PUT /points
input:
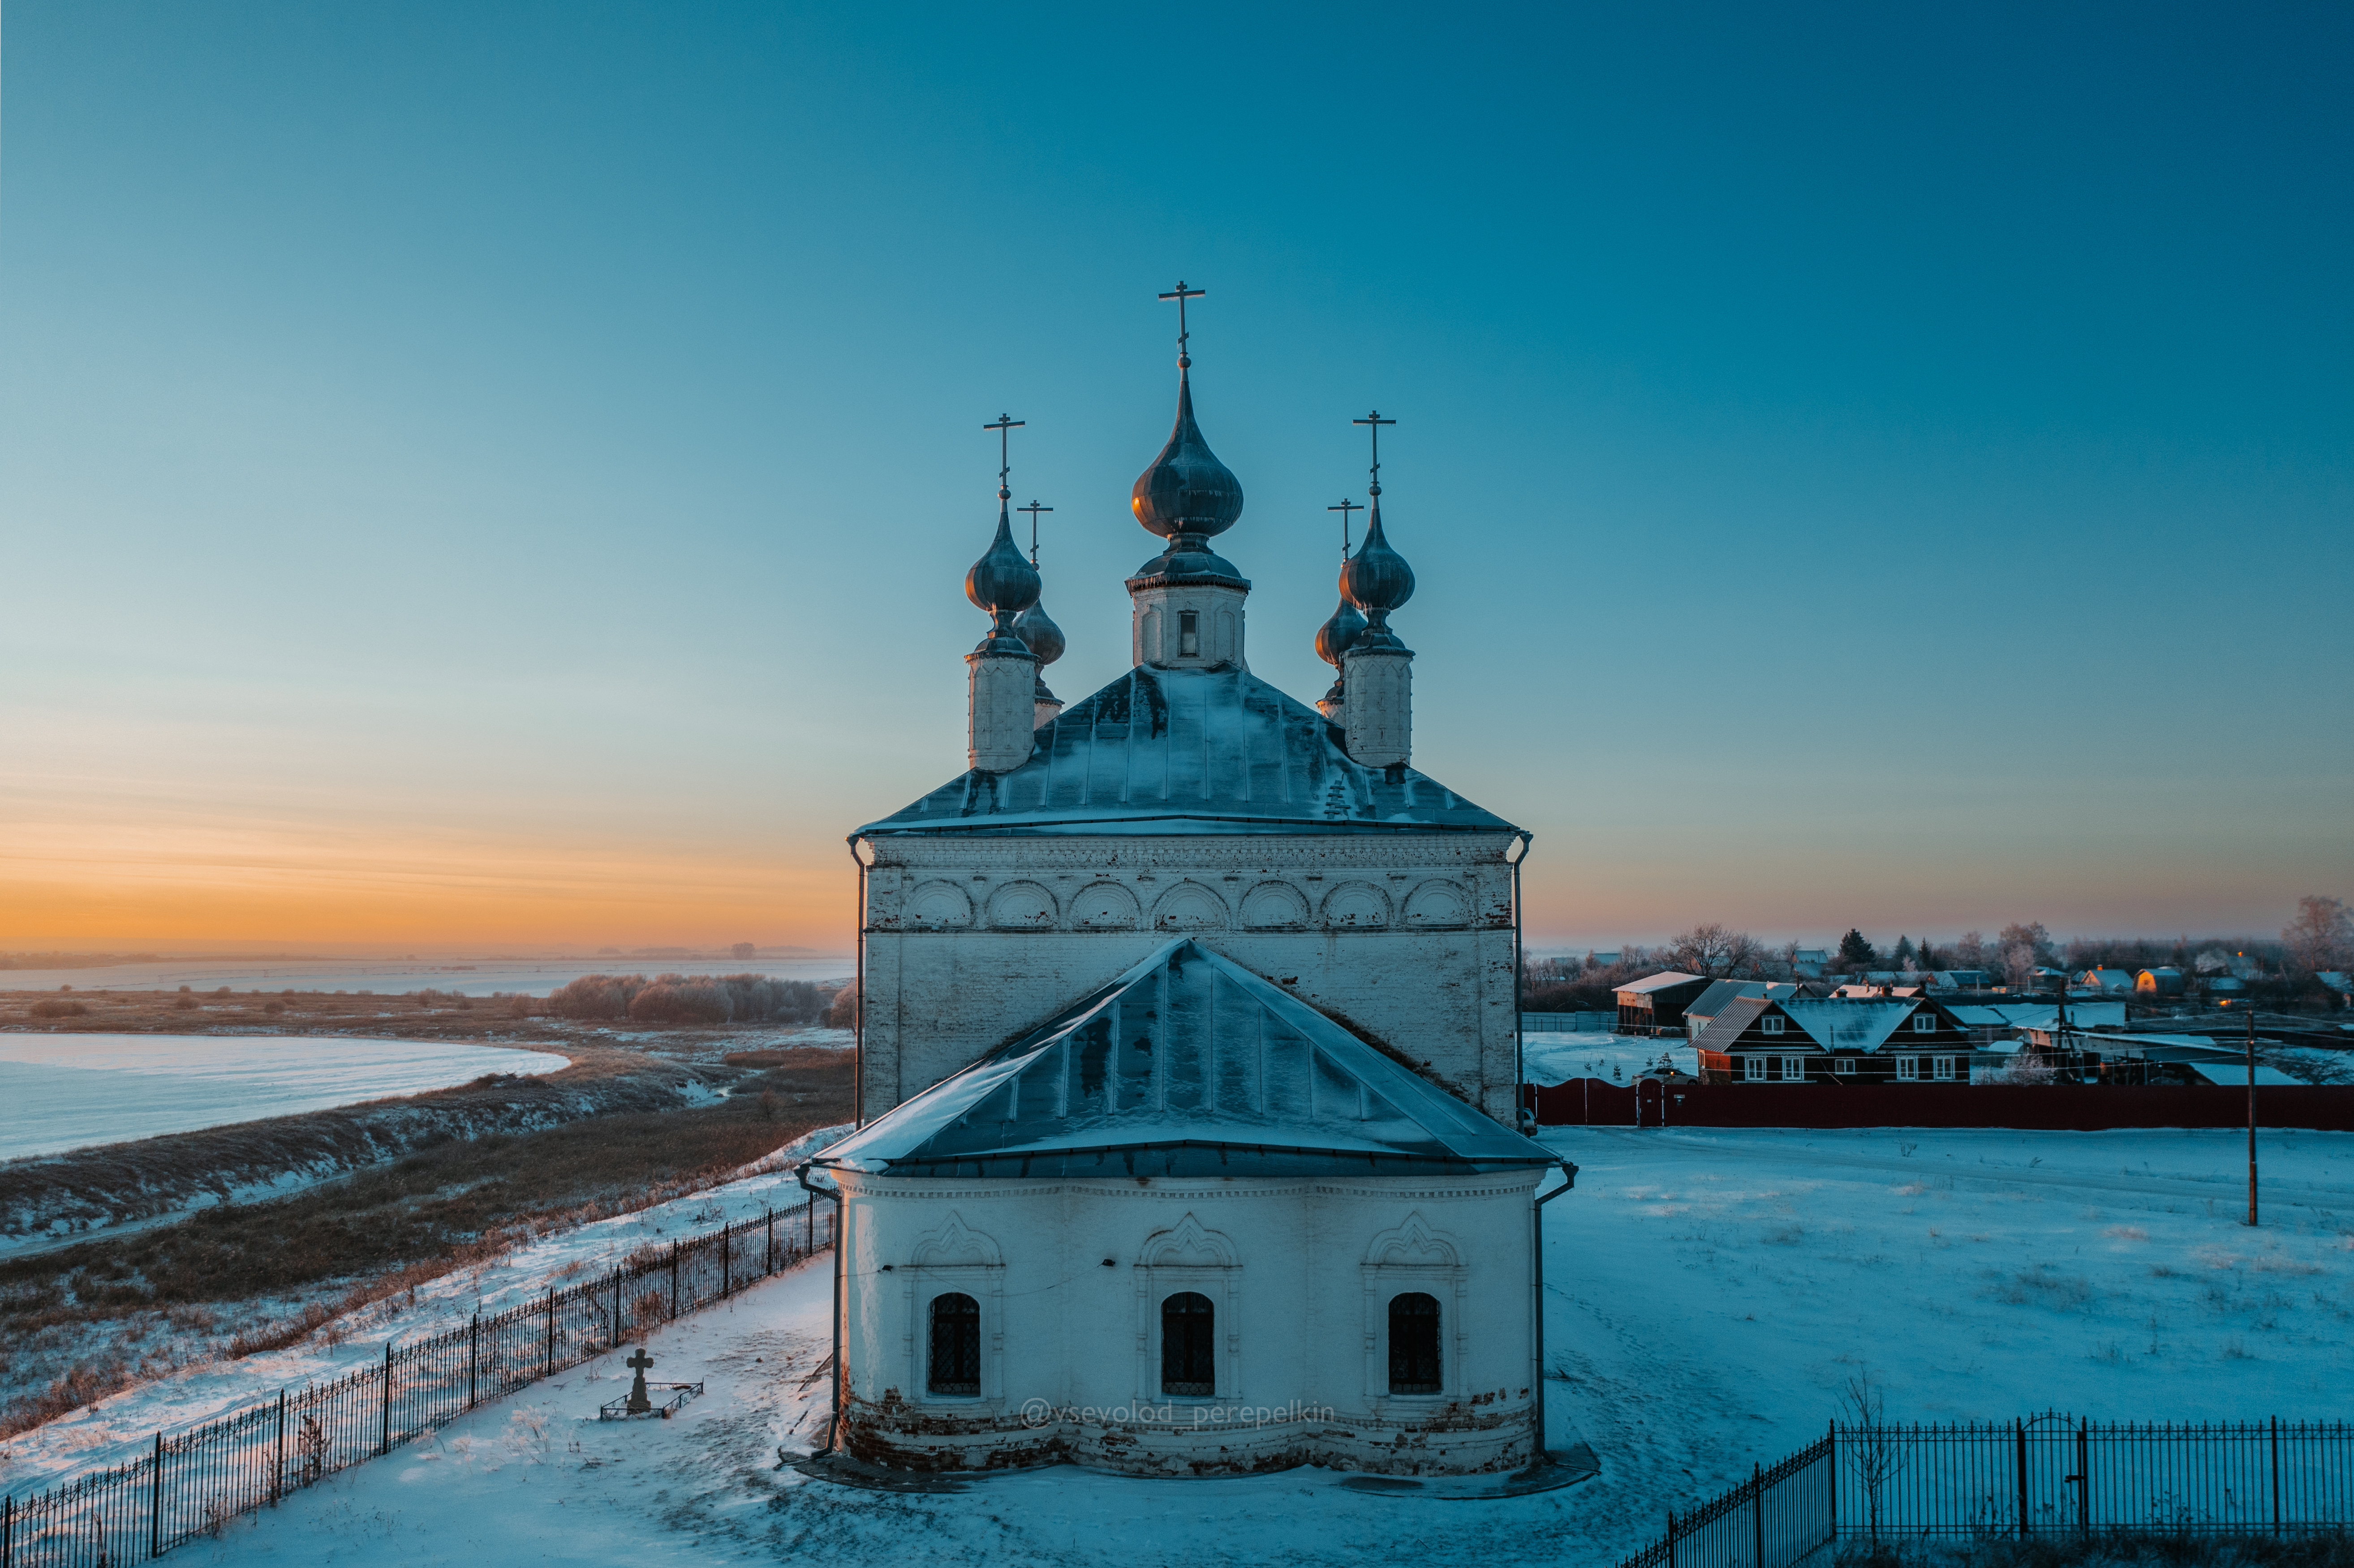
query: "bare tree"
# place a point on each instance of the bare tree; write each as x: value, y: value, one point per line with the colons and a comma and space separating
x: 1970, y: 952
x: 1871, y: 1442
x: 1714, y: 951
x: 2321, y: 936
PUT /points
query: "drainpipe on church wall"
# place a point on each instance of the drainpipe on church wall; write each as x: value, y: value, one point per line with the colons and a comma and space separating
x: 1520, y: 1058
x: 801, y: 1174
x: 1569, y: 1180
x: 858, y: 999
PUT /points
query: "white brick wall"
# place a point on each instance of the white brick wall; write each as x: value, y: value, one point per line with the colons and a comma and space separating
x: 1405, y: 937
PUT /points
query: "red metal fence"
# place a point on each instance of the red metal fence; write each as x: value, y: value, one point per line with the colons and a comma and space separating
x: 2060, y: 1107
x: 2048, y: 1476
x: 193, y: 1483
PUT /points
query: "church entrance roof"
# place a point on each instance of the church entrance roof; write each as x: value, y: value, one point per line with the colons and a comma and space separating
x: 1177, y: 751
x: 1188, y: 1064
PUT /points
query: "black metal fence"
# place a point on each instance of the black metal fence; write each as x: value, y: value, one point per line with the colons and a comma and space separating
x: 192, y: 1483
x: 2042, y: 1476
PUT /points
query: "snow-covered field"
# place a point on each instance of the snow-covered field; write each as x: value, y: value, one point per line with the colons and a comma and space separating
x: 393, y: 976
x: 1708, y: 1294
x: 1556, y: 1058
x: 65, y: 1091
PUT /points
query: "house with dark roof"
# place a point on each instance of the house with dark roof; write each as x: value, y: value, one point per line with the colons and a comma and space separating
x: 1833, y: 1040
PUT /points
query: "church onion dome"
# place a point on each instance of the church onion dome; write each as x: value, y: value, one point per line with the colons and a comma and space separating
x: 1338, y: 635
x: 1187, y: 490
x: 1042, y: 637
x: 1003, y: 584
x: 1376, y: 579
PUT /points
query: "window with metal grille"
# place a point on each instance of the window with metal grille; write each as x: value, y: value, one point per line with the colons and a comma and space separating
x: 1414, y: 1343
x: 956, y: 1345
x: 1188, y: 634
x: 1189, y: 1356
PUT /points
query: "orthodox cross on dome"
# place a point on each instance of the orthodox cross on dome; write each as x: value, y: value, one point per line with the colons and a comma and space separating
x: 1034, y: 509
x: 1345, y: 507
x: 1004, y: 425
x: 1376, y: 421
x: 1181, y: 294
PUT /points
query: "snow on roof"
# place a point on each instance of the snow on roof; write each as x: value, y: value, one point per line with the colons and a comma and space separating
x: 2037, y: 1015
x: 1660, y: 981
x: 1838, y: 1024
x: 1186, y: 1065
x: 1189, y: 751
x: 2234, y: 1075
x: 1712, y: 1000
x: 1728, y: 1023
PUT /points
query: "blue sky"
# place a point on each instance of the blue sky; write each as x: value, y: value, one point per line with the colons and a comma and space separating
x: 505, y: 473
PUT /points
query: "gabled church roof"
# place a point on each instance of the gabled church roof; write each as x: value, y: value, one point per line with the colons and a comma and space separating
x: 1184, y: 751
x: 1188, y: 1064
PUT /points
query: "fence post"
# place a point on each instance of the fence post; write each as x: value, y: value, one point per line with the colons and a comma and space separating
x: 7, y: 1532
x: 550, y: 1369
x: 811, y: 1206
x: 278, y: 1460
x: 1757, y: 1512
x: 768, y: 1247
x: 616, y: 1305
x: 1672, y: 1537
x: 2019, y: 1433
x: 727, y: 1257
x: 674, y: 1279
x: 2083, y: 1480
x: 155, y: 1508
x: 473, y: 1332
x: 1831, y: 1457
x: 2276, y: 1514
x: 385, y: 1446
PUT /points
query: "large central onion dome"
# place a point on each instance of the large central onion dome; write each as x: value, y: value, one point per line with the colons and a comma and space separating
x: 1003, y: 584
x: 1187, y: 490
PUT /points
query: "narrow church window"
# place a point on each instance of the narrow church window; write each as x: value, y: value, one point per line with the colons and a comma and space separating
x: 1188, y: 634
x: 1414, y: 1343
x: 956, y: 1345
x: 1189, y: 1345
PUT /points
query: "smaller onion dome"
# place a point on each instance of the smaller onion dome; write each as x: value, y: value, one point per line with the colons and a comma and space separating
x: 1338, y: 635
x: 1376, y: 579
x: 1003, y: 584
x: 1042, y: 637
x: 1187, y: 490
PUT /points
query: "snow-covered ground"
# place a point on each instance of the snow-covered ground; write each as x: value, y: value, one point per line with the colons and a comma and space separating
x: 65, y: 1091
x: 1556, y: 1058
x: 1708, y: 1294
x: 115, y: 1429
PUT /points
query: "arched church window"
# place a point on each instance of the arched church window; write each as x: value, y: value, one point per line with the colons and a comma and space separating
x: 956, y: 1345
x: 1189, y: 1345
x: 1414, y: 1343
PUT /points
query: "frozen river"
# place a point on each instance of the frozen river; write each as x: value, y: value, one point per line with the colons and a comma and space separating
x: 67, y: 1091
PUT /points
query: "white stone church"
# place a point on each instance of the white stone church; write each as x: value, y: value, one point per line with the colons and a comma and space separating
x: 1188, y: 1061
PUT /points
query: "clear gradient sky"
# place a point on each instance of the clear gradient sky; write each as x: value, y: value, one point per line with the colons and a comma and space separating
x: 504, y: 473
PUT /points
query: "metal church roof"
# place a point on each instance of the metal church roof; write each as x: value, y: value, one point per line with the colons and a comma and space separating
x: 1186, y: 1065
x: 1184, y: 751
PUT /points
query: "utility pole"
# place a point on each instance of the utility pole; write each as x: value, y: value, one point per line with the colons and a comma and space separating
x: 2252, y: 1113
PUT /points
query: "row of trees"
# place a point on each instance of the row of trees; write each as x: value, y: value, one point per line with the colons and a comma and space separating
x: 692, y: 999
x: 2319, y: 939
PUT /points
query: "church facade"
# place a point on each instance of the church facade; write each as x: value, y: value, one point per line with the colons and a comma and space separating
x: 1188, y: 1058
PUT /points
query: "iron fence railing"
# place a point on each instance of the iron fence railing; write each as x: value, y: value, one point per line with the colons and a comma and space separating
x: 2042, y: 1476
x: 192, y: 1483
